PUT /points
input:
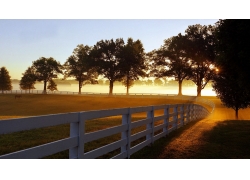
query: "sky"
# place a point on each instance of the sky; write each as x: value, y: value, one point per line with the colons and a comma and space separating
x: 25, y: 40
x: 44, y: 28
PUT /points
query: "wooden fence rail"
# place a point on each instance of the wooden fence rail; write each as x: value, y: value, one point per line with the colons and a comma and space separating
x: 173, y: 117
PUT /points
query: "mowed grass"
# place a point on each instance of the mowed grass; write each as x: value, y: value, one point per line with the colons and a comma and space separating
x: 38, y: 104
x: 229, y: 139
x: 34, y: 105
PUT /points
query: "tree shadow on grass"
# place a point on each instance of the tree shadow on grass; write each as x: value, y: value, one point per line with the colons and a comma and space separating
x: 229, y: 139
x: 153, y: 151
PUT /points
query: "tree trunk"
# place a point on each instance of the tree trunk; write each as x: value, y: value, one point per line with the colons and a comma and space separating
x: 236, y: 113
x: 44, y: 87
x: 180, y: 88
x: 127, y: 86
x: 111, y: 84
x: 80, y: 88
x: 198, y: 90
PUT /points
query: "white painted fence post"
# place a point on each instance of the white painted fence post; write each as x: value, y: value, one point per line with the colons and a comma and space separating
x: 199, y: 112
x: 74, y: 131
x: 188, y: 113
x: 77, y: 129
x: 150, y: 125
x: 126, y: 119
x: 182, y: 114
x: 195, y: 112
x: 166, y: 120
x: 175, y: 116
x: 192, y: 112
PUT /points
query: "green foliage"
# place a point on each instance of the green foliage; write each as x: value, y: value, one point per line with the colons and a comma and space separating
x: 52, y: 86
x: 28, y: 80
x: 46, y: 69
x: 201, y: 50
x: 127, y: 82
x: 107, y: 57
x: 171, y: 60
x: 232, y: 81
x: 79, y: 65
x: 132, y: 62
x: 5, y: 82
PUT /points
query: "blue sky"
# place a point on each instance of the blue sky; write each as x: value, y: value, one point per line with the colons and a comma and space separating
x: 25, y: 40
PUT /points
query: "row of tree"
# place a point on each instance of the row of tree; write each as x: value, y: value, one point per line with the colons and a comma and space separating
x: 114, y: 60
x: 184, y: 57
x: 187, y: 57
x: 192, y: 56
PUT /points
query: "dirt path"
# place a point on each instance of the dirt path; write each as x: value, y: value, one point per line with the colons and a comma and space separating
x: 190, y: 141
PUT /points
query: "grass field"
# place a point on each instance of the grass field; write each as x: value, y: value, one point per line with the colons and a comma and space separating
x: 34, y: 105
x: 38, y: 104
x: 217, y: 137
x: 229, y: 139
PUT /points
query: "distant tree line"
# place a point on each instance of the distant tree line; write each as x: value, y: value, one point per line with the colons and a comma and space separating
x: 217, y: 53
x: 183, y: 57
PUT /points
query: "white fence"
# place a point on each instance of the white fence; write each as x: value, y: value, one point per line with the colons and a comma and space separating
x: 82, y: 93
x: 172, y: 118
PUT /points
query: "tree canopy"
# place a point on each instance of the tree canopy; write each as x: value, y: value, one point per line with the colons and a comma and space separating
x: 232, y: 47
x: 80, y: 66
x: 52, y: 86
x: 46, y: 69
x: 106, y: 55
x: 5, y: 82
x: 171, y: 60
x: 132, y: 62
x: 28, y: 79
x: 201, y: 50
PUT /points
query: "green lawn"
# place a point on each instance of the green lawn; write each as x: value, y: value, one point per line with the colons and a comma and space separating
x: 229, y: 139
x: 34, y: 105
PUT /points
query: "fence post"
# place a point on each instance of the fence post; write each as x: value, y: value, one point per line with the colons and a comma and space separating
x: 188, y: 113
x: 195, y: 112
x: 182, y: 114
x: 150, y: 125
x: 77, y: 129
x: 175, y: 116
x: 192, y: 112
x: 126, y: 119
x: 198, y: 112
x: 166, y: 120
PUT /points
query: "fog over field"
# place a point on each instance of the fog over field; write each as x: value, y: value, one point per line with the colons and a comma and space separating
x: 145, y: 89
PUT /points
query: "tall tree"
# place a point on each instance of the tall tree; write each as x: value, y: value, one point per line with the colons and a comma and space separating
x: 232, y: 82
x: 106, y: 55
x: 28, y: 79
x: 5, y: 82
x: 201, y: 50
x: 46, y: 69
x: 80, y: 66
x: 132, y: 62
x: 171, y: 60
